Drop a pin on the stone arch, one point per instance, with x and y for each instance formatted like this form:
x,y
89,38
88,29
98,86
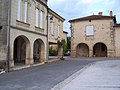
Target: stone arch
x,y
21,52
82,50
38,51
100,50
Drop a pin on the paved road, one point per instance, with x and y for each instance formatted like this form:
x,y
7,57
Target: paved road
x,y
103,75
41,77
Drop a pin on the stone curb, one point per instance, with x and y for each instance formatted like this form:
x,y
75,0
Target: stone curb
x,y
69,79
55,60
26,66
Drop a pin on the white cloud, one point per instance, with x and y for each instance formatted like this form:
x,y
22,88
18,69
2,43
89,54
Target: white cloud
x,y
57,2
89,1
71,9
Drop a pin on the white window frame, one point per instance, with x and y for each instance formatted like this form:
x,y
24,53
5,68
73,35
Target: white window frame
x,y
36,19
58,30
52,28
26,11
89,30
19,10
41,19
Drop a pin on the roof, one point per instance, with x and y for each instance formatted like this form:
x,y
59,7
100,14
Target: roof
x,y
92,17
117,25
55,14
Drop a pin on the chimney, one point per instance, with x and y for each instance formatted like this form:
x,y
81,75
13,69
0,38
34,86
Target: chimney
x,y
111,13
100,13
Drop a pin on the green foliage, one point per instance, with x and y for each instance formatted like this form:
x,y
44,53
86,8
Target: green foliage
x,y
52,52
59,43
68,43
64,45
2,65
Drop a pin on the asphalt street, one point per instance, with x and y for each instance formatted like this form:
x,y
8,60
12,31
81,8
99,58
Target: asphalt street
x,y
42,77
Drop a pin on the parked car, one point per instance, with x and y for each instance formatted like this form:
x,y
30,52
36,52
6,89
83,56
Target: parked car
x,y
67,53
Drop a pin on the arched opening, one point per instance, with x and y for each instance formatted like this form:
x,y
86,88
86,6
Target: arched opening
x,y
38,51
21,50
100,50
82,50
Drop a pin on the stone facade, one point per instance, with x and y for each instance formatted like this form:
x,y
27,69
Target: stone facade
x,y
25,31
3,28
27,42
55,29
65,35
117,40
95,36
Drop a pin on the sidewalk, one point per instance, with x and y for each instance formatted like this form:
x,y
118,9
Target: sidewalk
x,y
103,75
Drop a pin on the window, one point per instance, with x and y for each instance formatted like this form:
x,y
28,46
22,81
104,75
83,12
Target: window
x,y
89,30
36,23
58,30
19,10
26,12
52,28
1,29
41,19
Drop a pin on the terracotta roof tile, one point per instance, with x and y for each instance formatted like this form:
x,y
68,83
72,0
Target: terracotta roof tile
x,y
117,25
92,17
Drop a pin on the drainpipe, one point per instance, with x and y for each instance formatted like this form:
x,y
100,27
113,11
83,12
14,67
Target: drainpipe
x,y
8,36
47,37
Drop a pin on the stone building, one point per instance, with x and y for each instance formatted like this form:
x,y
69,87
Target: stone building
x,y
23,31
95,36
65,35
55,30
26,31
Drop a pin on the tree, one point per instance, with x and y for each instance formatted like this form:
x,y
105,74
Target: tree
x,y
68,43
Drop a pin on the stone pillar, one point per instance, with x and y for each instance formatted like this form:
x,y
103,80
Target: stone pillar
x,y
110,53
29,54
12,57
90,53
60,51
73,53
42,53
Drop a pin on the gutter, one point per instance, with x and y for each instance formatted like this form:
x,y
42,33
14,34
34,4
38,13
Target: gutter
x,y
8,36
47,37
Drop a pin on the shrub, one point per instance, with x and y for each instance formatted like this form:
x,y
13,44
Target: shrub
x,y
52,52
2,65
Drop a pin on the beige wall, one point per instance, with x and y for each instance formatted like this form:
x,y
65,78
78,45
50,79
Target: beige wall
x,y
64,36
57,21
31,16
53,37
28,30
117,41
103,32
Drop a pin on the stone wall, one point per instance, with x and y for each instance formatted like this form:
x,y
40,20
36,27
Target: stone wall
x,y
4,5
117,41
103,33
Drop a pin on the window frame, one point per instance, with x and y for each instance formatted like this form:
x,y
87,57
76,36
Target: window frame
x,y
41,18
89,30
58,30
36,17
19,10
25,11
52,28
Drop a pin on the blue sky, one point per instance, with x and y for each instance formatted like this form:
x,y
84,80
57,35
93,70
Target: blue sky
x,y
70,9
